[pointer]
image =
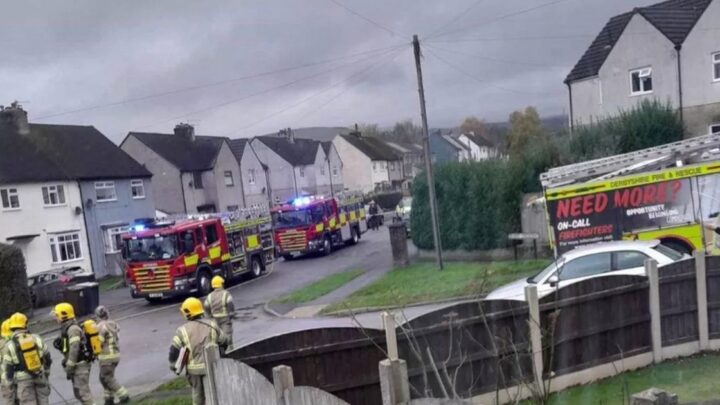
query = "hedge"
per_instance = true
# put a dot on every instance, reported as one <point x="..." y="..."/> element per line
<point x="386" y="201"/>
<point x="14" y="291"/>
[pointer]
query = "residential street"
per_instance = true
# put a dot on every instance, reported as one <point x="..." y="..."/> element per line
<point x="146" y="330"/>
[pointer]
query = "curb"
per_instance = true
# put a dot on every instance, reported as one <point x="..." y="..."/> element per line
<point x="272" y="312"/>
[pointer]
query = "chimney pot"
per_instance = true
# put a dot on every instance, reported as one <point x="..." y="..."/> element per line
<point x="15" y="116"/>
<point x="185" y="130"/>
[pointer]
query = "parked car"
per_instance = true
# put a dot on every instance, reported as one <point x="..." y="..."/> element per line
<point x="598" y="260"/>
<point x="46" y="288"/>
<point x="402" y="212"/>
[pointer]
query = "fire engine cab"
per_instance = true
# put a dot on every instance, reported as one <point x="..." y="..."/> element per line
<point x="179" y="256"/>
<point x="318" y="224"/>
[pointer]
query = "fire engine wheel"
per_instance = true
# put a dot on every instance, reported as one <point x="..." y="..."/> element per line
<point x="288" y="257"/>
<point x="354" y="236"/>
<point x="257" y="267"/>
<point x="203" y="283"/>
<point x="327" y="246"/>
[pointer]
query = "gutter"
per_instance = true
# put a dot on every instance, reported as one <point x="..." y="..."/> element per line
<point x="678" y="48"/>
<point x="572" y="114"/>
<point x="182" y="188"/>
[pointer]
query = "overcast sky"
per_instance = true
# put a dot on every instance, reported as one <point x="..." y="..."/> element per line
<point x="63" y="56"/>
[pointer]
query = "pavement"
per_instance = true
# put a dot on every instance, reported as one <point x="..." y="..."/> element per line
<point x="146" y="330"/>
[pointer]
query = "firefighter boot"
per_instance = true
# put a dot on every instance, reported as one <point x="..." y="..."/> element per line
<point x="109" y="401"/>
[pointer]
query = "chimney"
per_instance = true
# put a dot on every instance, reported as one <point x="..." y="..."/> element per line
<point x="185" y="130"/>
<point x="16" y="117"/>
<point x="287" y="133"/>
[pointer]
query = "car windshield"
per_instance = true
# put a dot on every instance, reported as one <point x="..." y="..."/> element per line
<point x="536" y="279"/>
<point x="160" y="247"/>
<point x="290" y="219"/>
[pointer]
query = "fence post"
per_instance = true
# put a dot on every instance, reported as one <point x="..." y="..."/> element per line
<point x="212" y="355"/>
<point x="655" y="317"/>
<point x="394" y="384"/>
<point x="283" y="381"/>
<point x="531" y="296"/>
<point x="701" y="285"/>
<point x="389" y="324"/>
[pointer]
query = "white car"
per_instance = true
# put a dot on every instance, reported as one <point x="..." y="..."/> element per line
<point x="597" y="260"/>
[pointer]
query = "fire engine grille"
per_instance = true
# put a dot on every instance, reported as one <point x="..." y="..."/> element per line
<point x="293" y="240"/>
<point x="153" y="279"/>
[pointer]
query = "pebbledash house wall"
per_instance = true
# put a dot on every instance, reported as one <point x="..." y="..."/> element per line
<point x="281" y="174"/>
<point x="255" y="189"/>
<point x="100" y="216"/>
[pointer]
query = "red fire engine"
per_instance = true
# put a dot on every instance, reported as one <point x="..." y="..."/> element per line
<point x="318" y="224"/>
<point x="179" y="256"/>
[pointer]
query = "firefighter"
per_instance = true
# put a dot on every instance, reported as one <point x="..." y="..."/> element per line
<point x="373" y="211"/>
<point x="109" y="357"/>
<point x="77" y="356"/>
<point x="219" y="304"/>
<point x="27" y="363"/>
<point x="194" y="336"/>
<point x="6" y="386"/>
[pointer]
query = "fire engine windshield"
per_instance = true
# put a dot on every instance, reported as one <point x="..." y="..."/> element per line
<point x="290" y="219"/>
<point x="152" y="248"/>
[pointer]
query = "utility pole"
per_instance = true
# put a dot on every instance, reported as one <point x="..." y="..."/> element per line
<point x="428" y="158"/>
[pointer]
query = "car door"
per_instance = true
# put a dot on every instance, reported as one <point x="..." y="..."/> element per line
<point x="629" y="262"/>
<point x="578" y="269"/>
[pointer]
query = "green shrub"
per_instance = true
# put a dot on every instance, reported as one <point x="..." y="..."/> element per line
<point x="14" y="292"/>
<point x="386" y="201"/>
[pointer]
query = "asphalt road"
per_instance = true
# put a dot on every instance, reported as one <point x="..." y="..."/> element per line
<point x="146" y="330"/>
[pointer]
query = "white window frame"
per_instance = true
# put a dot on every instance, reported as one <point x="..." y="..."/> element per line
<point x="251" y="176"/>
<point x="137" y="184"/>
<point x="230" y="177"/>
<point x="710" y="128"/>
<point x="715" y="61"/>
<point x="57" y="190"/>
<point x="8" y="193"/>
<point x="301" y="171"/>
<point x="112" y="238"/>
<point x="105" y="185"/>
<point x="642" y="73"/>
<point x="334" y="171"/>
<point x="71" y="243"/>
<point x="322" y="170"/>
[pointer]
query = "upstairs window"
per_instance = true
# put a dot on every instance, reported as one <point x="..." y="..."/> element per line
<point x="10" y="198"/>
<point x="197" y="180"/>
<point x="137" y="188"/>
<point x="301" y="170"/>
<point x="716" y="66"/>
<point x="322" y="170"/>
<point x="641" y="81"/>
<point x="251" y="176"/>
<point x="334" y="171"/>
<point x="105" y="191"/>
<point x="53" y="195"/>
<point x="229" y="182"/>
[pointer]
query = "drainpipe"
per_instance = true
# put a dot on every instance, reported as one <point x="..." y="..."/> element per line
<point x="87" y="232"/>
<point x="182" y="188"/>
<point x="332" y="190"/>
<point x="572" y="117"/>
<point x="680" y="88"/>
<point x="294" y="181"/>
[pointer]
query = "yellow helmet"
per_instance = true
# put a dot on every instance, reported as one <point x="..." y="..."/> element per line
<point x="217" y="282"/>
<point x="191" y="308"/>
<point x="17" y="321"/>
<point x="64" y="311"/>
<point x="6" y="332"/>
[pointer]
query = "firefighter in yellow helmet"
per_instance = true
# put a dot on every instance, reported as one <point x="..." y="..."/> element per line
<point x="109" y="358"/>
<point x="27" y="363"/>
<point x="77" y="355"/>
<point x="6" y="387"/>
<point x="219" y="304"/>
<point x="191" y="339"/>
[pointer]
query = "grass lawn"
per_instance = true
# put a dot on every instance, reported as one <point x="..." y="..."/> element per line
<point x="693" y="379"/>
<point x="319" y="288"/>
<point x="168" y="393"/>
<point x="110" y="283"/>
<point x="422" y="282"/>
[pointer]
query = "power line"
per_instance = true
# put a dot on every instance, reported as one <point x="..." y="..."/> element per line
<point x="457" y="17"/>
<point x="371" y="21"/>
<point x="500" y="39"/>
<point x="212" y="84"/>
<point x="232" y="101"/>
<point x="479" y="56"/>
<point x="463" y="72"/>
<point x="324" y="90"/>
<point x="499" y="18"/>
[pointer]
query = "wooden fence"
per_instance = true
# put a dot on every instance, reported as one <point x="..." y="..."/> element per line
<point x="499" y="351"/>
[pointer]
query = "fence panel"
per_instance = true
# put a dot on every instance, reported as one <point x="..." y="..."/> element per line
<point x="341" y="361"/>
<point x="678" y="303"/>
<point x="237" y="383"/>
<point x="467" y="349"/>
<point x="713" y="294"/>
<point x="311" y="396"/>
<point x="594" y="322"/>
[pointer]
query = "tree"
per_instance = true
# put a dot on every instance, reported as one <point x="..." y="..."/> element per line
<point x="474" y="125"/>
<point x="406" y="131"/>
<point x="525" y="127"/>
<point x="369" y="129"/>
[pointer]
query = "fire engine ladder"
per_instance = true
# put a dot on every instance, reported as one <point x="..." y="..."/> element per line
<point x="687" y="151"/>
<point x="240" y="215"/>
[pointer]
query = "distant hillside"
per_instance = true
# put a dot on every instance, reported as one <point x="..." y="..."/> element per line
<point x="322" y="134"/>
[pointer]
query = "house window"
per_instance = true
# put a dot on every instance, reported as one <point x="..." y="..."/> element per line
<point x="113" y="239"/>
<point x="714" y="129"/>
<point x="105" y="191"/>
<point x="302" y="171"/>
<point x="251" y="176"/>
<point x="322" y="170"/>
<point x="65" y="247"/>
<point x="197" y="180"/>
<point x="233" y="208"/>
<point x="335" y="171"/>
<point x="229" y="182"/>
<point x="641" y="81"/>
<point x="716" y="66"/>
<point x="137" y="188"/>
<point x="53" y="195"/>
<point x="392" y="165"/>
<point x="10" y="198"/>
<point x="374" y="166"/>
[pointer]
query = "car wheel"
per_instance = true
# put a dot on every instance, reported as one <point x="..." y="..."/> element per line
<point x="203" y="283"/>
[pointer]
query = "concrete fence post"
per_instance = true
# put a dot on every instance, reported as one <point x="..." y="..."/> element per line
<point x="655" y="317"/>
<point x="389" y="325"/>
<point x="282" y="380"/>
<point x="702" y="301"/>
<point x="531" y="296"/>
<point x="212" y="355"/>
<point x="394" y="384"/>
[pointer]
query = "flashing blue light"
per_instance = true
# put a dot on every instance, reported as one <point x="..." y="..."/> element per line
<point x="300" y="201"/>
<point x="139" y="228"/>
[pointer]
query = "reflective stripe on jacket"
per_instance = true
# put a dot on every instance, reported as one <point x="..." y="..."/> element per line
<point x="217" y="303"/>
<point x="108" y="332"/>
<point x="195" y="336"/>
<point x="72" y="338"/>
